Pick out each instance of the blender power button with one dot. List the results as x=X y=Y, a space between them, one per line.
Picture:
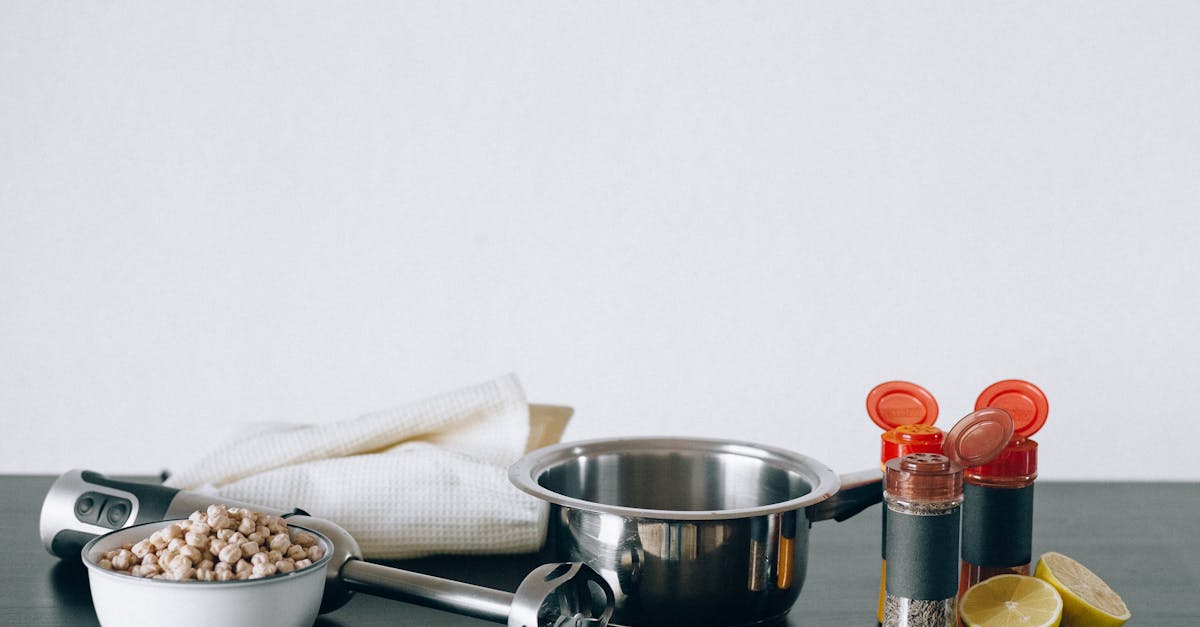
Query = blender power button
x=88 y=505
x=116 y=511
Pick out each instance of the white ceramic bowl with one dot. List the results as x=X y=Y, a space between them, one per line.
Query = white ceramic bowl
x=127 y=601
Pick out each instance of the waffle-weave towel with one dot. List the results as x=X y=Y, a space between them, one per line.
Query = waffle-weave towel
x=426 y=478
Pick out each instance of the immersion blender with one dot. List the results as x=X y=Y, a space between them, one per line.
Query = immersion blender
x=83 y=504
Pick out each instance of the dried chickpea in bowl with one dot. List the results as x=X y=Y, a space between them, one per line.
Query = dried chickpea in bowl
x=223 y=566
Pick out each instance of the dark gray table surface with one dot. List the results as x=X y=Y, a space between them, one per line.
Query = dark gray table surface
x=1140 y=537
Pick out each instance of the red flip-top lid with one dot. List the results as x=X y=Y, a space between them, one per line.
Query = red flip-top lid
x=907 y=439
x=979 y=437
x=1028 y=406
x=897 y=403
x=1022 y=400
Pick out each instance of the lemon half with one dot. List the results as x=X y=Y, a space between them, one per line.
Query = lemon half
x=1011 y=601
x=1087 y=600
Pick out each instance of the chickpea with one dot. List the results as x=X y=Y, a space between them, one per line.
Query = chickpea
x=122 y=560
x=215 y=545
x=305 y=539
x=193 y=554
x=231 y=554
x=181 y=562
x=266 y=569
x=280 y=542
x=220 y=521
x=142 y=549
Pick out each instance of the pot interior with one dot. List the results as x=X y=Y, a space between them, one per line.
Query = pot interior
x=672 y=479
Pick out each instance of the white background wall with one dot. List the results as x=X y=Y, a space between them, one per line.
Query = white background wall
x=725 y=219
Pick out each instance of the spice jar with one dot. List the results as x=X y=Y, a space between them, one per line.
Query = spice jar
x=998 y=509
x=906 y=412
x=923 y=493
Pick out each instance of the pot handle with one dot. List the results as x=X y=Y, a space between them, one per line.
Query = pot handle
x=859 y=491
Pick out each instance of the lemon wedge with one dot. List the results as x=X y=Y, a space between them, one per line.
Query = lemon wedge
x=1011 y=601
x=1087 y=600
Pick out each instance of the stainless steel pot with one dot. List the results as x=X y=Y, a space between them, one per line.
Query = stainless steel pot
x=690 y=531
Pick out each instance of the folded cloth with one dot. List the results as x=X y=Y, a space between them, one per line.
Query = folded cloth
x=426 y=478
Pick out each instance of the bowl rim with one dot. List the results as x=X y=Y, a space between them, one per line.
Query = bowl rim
x=525 y=472
x=130 y=579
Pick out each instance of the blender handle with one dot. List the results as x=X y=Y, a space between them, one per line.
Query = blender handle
x=860 y=490
x=82 y=504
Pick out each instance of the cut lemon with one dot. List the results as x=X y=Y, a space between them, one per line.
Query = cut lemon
x=1087 y=600
x=1011 y=601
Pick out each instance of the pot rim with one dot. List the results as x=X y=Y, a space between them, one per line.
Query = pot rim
x=525 y=472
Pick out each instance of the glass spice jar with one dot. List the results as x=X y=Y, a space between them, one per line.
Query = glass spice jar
x=923 y=493
x=998 y=509
x=906 y=412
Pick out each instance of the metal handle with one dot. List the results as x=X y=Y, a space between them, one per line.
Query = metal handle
x=420 y=589
x=859 y=491
x=570 y=594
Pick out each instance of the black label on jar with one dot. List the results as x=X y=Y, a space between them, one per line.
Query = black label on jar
x=997 y=526
x=883 y=532
x=922 y=555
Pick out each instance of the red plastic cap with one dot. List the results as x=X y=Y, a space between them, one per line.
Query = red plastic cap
x=979 y=437
x=1021 y=399
x=1017 y=465
x=907 y=439
x=898 y=403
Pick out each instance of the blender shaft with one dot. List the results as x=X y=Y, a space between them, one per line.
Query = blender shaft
x=420 y=589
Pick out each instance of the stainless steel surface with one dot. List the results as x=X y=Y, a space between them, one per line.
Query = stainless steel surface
x=686 y=531
x=570 y=594
x=551 y=595
x=58 y=508
x=859 y=491
x=435 y=592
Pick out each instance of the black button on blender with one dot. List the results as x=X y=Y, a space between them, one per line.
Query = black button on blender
x=88 y=506
x=116 y=512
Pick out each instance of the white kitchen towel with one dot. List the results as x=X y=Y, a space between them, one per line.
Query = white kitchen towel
x=426 y=478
